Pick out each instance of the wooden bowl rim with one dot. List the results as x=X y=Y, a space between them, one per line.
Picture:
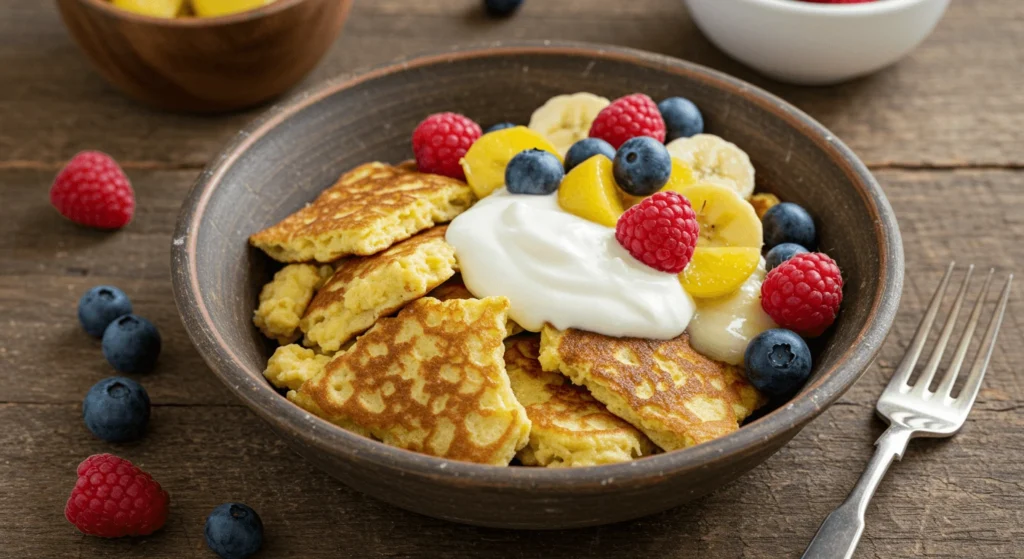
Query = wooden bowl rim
x=192 y=22
x=331 y=439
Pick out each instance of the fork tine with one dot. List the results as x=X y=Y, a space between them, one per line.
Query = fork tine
x=949 y=378
x=906 y=366
x=973 y=384
x=925 y=380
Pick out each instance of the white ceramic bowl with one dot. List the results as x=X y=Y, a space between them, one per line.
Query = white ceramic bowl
x=816 y=44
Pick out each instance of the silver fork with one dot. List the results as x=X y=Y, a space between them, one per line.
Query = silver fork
x=915 y=411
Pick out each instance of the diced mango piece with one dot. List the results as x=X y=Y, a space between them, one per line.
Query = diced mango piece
x=589 y=191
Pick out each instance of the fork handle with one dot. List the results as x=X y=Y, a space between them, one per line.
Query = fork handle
x=838 y=535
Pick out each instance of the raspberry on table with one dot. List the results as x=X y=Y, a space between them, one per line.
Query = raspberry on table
x=113 y=498
x=628 y=117
x=660 y=231
x=440 y=141
x=92 y=190
x=803 y=293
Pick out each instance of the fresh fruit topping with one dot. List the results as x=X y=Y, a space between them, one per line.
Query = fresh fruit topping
x=804 y=293
x=778 y=362
x=589 y=191
x=781 y=253
x=682 y=118
x=788 y=223
x=566 y=119
x=680 y=179
x=92 y=190
x=214 y=8
x=131 y=344
x=501 y=8
x=642 y=166
x=585 y=149
x=718 y=271
x=234 y=531
x=100 y=306
x=661 y=232
x=726 y=220
x=440 y=141
x=500 y=126
x=714 y=159
x=723 y=326
x=628 y=117
x=113 y=498
x=116 y=409
x=763 y=201
x=153 y=8
x=486 y=160
x=533 y=171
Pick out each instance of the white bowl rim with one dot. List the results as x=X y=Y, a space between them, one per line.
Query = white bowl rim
x=876 y=7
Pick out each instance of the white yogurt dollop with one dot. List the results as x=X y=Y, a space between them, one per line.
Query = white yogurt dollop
x=558 y=268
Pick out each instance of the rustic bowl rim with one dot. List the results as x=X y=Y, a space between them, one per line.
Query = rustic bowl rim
x=192 y=22
x=329 y=438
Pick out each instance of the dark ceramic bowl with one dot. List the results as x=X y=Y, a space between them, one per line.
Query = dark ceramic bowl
x=289 y=155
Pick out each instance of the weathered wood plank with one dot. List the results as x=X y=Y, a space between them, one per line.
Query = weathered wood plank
x=921 y=112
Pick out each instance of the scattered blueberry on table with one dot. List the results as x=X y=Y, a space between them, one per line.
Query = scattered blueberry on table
x=131 y=344
x=100 y=306
x=116 y=409
x=501 y=8
x=234 y=531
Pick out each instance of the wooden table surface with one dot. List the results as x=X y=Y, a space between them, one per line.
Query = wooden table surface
x=943 y=131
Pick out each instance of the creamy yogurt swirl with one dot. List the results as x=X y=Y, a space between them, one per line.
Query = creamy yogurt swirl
x=561 y=269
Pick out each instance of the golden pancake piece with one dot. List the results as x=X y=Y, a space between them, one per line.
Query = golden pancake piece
x=366 y=288
x=291 y=365
x=283 y=301
x=676 y=396
x=370 y=208
x=455 y=289
x=431 y=379
x=569 y=427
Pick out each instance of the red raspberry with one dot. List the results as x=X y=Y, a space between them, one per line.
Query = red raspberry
x=803 y=293
x=92 y=190
x=441 y=140
x=113 y=498
x=661 y=231
x=628 y=117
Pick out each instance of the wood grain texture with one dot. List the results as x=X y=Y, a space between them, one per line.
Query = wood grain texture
x=957 y=101
x=927 y=114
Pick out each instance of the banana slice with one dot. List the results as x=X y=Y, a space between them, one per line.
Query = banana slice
x=725 y=219
x=722 y=327
x=717 y=160
x=566 y=119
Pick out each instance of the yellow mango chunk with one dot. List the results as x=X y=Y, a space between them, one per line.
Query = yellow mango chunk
x=154 y=8
x=214 y=8
x=717 y=271
x=589 y=191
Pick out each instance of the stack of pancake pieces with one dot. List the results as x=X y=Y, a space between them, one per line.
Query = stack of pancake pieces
x=394 y=347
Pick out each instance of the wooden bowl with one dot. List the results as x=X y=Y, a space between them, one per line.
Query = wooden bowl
x=285 y=158
x=205 y=65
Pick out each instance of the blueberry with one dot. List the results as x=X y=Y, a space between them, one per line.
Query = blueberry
x=100 y=306
x=788 y=223
x=131 y=344
x=778 y=362
x=116 y=409
x=500 y=126
x=234 y=531
x=533 y=171
x=642 y=166
x=501 y=8
x=682 y=118
x=585 y=149
x=782 y=253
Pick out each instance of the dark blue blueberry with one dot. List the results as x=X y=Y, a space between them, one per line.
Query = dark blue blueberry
x=500 y=126
x=234 y=531
x=533 y=171
x=100 y=306
x=682 y=118
x=782 y=253
x=501 y=8
x=642 y=166
x=116 y=409
x=788 y=223
x=585 y=149
x=131 y=344
x=778 y=362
